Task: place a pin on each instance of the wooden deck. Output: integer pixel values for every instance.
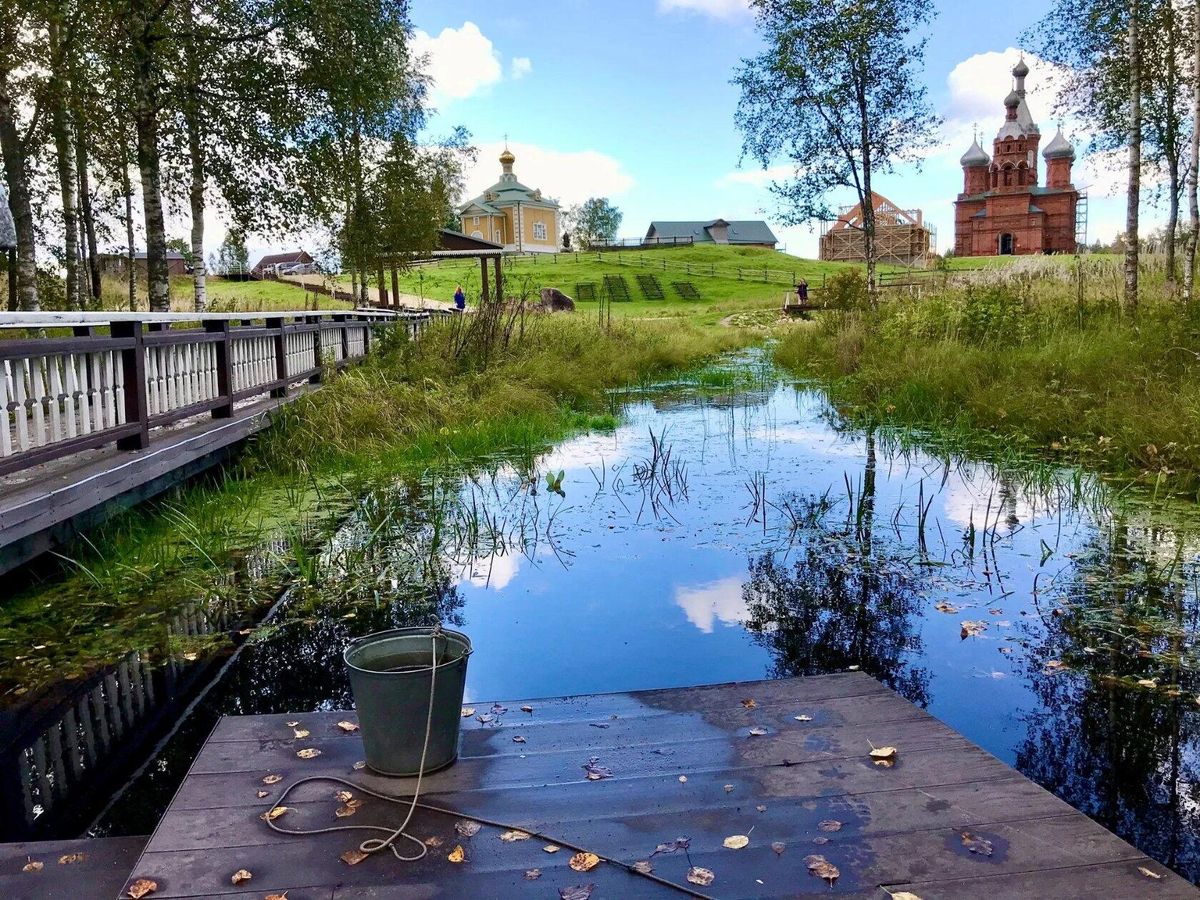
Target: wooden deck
(946, 821)
(68, 870)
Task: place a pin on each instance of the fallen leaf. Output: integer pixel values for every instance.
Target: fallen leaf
(683, 779)
(970, 629)
(736, 841)
(348, 726)
(996, 612)
(584, 862)
(884, 756)
(595, 772)
(697, 875)
(273, 779)
(241, 876)
(643, 866)
(576, 892)
(300, 733)
(1147, 683)
(802, 718)
(946, 608)
(467, 712)
(262, 794)
(976, 844)
(433, 841)
(1054, 665)
(682, 843)
(69, 858)
(518, 738)
(33, 866)
(905, 895)
(533, 874)
(758, 731)
(728, 788)
(1149, 873)
(457, 855)
(830, 825)
(343, 811)
(527, 709)
(552, 848)
(510, 837)
(467, 827)
(749, 704)
(353, 857)
(282, 896)
(292, 724)
(484, 718)
(820, 840)
(822, 868)
(310, 753)
(344, 796)
(761, 808)
(361, 764)
(141, 888)
(778, 846)
(274, 813)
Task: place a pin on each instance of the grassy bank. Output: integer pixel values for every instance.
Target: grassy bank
(1033, 358)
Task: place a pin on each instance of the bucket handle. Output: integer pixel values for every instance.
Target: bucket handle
(435, 632)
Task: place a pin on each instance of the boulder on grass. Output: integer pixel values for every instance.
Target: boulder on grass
(554, 300)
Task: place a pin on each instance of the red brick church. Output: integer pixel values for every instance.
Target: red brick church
(1002, 209)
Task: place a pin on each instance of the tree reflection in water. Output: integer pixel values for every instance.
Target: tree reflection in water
(842, 602)
(1107, 740)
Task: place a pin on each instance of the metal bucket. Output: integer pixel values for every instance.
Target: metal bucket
(390, 673)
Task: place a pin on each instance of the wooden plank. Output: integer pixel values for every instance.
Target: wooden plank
(100, 873)
(1108, 880)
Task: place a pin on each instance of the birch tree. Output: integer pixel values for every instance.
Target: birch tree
(1189, 253)
(837, 96)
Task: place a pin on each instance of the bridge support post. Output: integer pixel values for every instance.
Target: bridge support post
(224, 368)
(133, 372)
(281, 371)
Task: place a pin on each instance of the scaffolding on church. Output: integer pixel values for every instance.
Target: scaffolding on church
(902, 236)
(1081, 221)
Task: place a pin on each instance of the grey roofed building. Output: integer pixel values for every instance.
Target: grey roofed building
(714, 231)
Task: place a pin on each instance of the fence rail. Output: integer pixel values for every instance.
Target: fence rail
(64, 395)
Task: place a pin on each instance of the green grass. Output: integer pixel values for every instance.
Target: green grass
(1021, 365)
(724, 276)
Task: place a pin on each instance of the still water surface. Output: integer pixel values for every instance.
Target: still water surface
(726, 530)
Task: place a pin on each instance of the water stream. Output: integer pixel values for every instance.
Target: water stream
(727, 530)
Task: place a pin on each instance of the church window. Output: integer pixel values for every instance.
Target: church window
(475, 220)
(539, 231)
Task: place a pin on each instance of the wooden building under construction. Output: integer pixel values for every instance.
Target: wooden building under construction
(902, 236)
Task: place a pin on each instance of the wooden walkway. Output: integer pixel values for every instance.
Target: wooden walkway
(945, 821)
(67, 870)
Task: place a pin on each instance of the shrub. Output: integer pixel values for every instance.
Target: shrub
(847, 290)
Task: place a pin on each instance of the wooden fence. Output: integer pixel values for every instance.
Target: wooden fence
(63, 395)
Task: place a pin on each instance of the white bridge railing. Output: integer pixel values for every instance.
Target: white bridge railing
(63, 395)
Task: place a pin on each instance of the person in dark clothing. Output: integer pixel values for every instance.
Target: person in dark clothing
(460, 299)
(802, 291)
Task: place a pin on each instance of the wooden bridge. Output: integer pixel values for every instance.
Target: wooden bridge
(116, 407)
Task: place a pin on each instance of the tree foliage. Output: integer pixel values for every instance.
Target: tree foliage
(836, 96)
(594, 221)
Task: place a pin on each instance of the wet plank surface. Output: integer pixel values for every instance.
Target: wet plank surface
(946, 820)
(67, 870)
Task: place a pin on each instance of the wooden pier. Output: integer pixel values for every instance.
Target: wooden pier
(128, 404)
(786, 764)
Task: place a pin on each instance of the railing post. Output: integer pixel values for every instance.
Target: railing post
(133, 371)
(318, 351)
(224, 349)
(345, 337)
(281, 371)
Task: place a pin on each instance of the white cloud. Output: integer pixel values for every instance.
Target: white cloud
(568, 176)
(722, 9)
(460, 62)
(757, 177)
(718, 601)
(521, 66)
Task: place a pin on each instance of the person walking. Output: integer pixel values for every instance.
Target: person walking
(460, 299)
(802, 292)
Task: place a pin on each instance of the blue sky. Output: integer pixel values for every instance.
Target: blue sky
(631, 99)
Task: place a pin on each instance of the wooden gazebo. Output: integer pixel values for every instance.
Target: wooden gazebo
(451, 245)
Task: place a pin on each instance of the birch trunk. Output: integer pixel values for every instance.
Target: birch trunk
(1189, 251)
(130, 259)
(1135, 159)
(145, 120)
(196, 152)
(15, 172)
(64, 150)
(87, 212)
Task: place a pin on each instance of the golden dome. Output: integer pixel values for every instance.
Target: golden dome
(506, 158)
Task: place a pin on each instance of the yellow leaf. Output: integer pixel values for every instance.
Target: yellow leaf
(282, 896)
(697, 875)
(511, 836)
(683, 779)
(884, 756)
(300, 733)
(342, 811)
(468, 711)
(141, 888)
(457, 855)
(273, 779)
(344, 796)
(69, 858)
(526, 709)
(584, 862)
(802, 718)
(552, 848)
(905, 895)
(310, 753)
(262, 794)
(749, 704)
(274, 813)
(33, 866)
(736, 841)
(348, 726)
(292, 724)
(241, 876)
(433, 841)
(353, 857)
(1149, 873)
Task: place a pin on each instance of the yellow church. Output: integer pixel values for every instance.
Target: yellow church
(509, 213)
